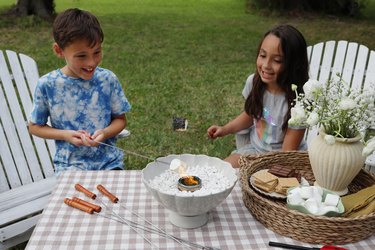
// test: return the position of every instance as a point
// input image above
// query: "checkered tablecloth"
(230, 224)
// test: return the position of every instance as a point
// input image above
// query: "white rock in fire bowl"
(189, 209)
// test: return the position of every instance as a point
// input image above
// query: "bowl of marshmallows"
(315, 200)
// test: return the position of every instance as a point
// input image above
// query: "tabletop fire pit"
(189, 196)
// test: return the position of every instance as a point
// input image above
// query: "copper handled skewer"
(90, 208)
(135, 225)
(164, 233)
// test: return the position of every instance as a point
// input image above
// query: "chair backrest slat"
(3, 180)
(326, 65)
(350, 59)
(30, 69)
(315, 60)
(370, 71)
(360, 67)
(338, 63)
(9, 178)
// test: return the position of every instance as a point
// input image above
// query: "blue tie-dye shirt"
(77, 104)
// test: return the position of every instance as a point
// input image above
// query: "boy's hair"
(75, 24)
(295, 70)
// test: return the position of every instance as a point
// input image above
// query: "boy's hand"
(74, 137)
(92, 140)
(98, 136)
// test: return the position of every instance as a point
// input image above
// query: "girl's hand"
(215, 131)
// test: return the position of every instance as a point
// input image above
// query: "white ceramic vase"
(335, 166)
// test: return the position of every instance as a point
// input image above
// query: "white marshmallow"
(311, 205)
(318, 190)
(332, 200)
(295, 198)
(304, 182)
(306, 192)
(317, 195)
(295, 190)
(176, 164)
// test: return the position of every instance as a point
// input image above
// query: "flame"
(190, 181)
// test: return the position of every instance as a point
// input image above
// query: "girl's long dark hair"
(295, 71)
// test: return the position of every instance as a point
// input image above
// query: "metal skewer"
(132, 153)
(128, 223)
(132, 224)
(152, 230)
(90, 208)
(114, 199)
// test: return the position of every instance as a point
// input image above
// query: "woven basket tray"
(274, 214)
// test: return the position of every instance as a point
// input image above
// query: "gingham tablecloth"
(230, 224)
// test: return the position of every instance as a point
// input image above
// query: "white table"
(230, 225)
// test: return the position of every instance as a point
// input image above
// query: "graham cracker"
(268, 187)
(264, 177)
(285, 183)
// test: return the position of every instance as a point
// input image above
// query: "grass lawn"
(180, 58)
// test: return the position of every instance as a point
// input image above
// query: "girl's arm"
(240, 122)
(292, 139)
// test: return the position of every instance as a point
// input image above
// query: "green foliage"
(176, 58)
(351, 8)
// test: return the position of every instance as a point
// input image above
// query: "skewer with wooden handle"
(88, 204)
(88, 193)
(105, 192)
(79, 206)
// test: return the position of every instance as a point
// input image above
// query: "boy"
(85, 103)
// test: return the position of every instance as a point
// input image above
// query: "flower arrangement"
(340, 110)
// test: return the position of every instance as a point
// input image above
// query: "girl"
(281, 62)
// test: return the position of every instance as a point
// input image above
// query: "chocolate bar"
(284, 171)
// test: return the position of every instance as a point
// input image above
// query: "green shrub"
(332, 7)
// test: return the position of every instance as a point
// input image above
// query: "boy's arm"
(47, 132)
(117, 124)
(292, 139)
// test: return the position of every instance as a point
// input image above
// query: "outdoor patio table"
(230, 225)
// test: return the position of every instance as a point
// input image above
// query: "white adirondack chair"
(26, 170)
(355, 63)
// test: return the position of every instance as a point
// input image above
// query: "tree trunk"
(42, 8)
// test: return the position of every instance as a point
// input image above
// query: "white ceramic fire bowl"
(189, 210)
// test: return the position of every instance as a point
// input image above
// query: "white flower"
(294, 87)
(347, 104)
(297, 115)
(342, 111)
(298, 112)
(329, 139)
(313, 119)
(312, 88)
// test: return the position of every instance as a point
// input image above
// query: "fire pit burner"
(189, 183)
